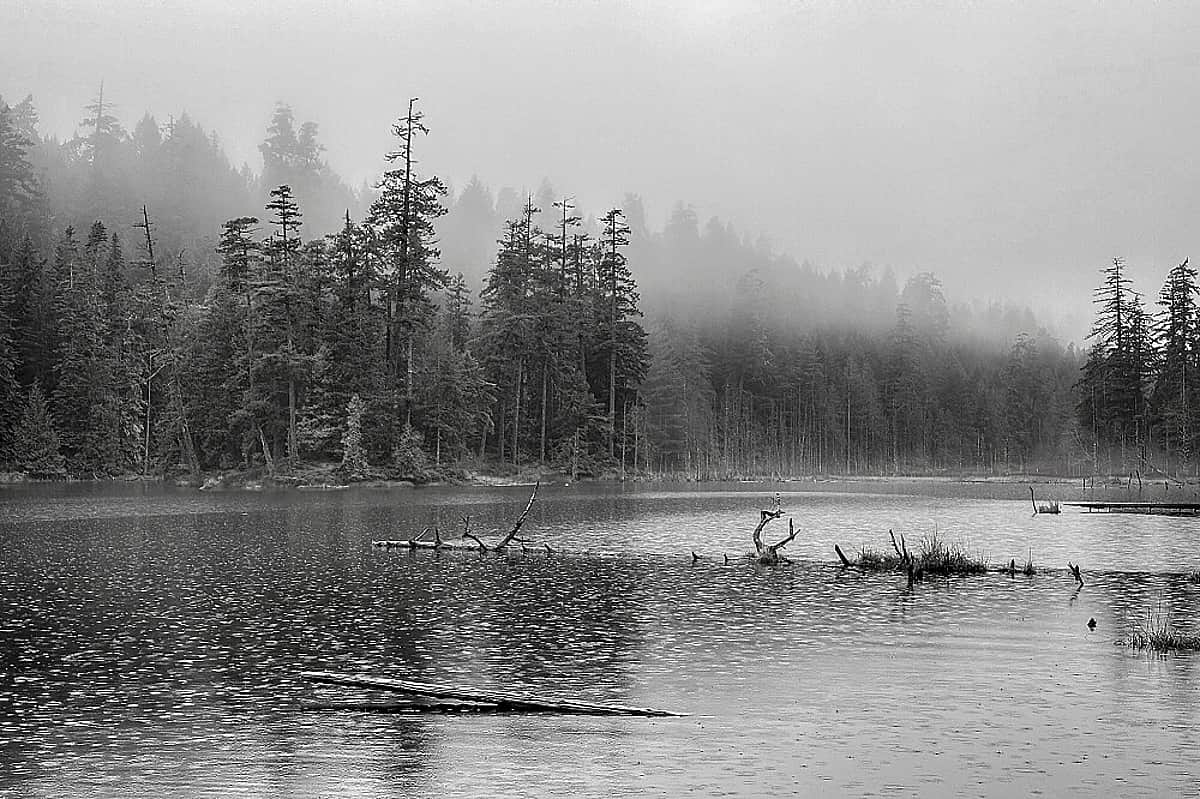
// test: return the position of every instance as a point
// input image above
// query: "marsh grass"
(935, 557)
(1194, 577)
(1158, 634)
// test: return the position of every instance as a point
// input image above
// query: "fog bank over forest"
(1011, 151)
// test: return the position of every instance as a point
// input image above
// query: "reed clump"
(934, 557)
(1158, 634)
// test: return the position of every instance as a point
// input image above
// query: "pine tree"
(18, 184)
(507, 328)
(409, 461)
(354, 461)
(30, 312)
(620, 341)
(1113, 388)
(1176, 383)
(35, 440)
(10, 389)
(83, 396)
(283, 252)
(402, 229)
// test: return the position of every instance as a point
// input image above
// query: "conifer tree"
(282, 294)
(507, 328)
(1113, 388)
(1176, 369)
(620, 342)
(35, 441)
(402, 229)
(83, 397)
(10, 389)
(354, 461)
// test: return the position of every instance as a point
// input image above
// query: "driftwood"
(499, 700)
(768, 554)
(477, 544)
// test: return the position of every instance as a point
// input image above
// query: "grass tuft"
(934, 557)
(1158, 634)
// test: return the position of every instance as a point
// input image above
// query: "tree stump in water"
(768, 554)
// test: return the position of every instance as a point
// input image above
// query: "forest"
(166, 314)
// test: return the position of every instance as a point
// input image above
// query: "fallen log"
(502, 700)
(403, 706)
(478, 544)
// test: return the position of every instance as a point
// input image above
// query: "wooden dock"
(1155, 508)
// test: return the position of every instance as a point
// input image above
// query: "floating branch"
(500, 700)
(477, 543)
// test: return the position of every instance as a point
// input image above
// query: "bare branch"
(791, 535)
(520, 519)
(765, 516)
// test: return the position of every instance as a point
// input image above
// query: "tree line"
(150, 348)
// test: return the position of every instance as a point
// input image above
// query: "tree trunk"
(517, 413)
(542, 443)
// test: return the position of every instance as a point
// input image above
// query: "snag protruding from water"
(479, 544)
(768, 554)
(1050, 507)
(1074, 567)
(935, 558)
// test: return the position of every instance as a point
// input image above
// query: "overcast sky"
(1011, 148)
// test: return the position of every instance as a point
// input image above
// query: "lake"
(151, 639)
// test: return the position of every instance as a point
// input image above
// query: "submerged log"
(501, 700)
(477, 544)
(403, 706)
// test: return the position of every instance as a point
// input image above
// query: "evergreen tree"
(354, 461)
(17, 182)
(30, 311)
(402, 230)
(507, 329)
(10, 390)
(1174, 398)
(620, 341)
(280, 290)
(1112, 392)
(35, 440)
(83, 396)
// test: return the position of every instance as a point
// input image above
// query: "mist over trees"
(164, 312)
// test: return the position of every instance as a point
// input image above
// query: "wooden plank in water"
(1162, 508)
(504, 700)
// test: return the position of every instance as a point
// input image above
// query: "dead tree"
(510, 538)
(1074, 569)
(768, 554)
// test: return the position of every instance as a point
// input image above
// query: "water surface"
(150, 640)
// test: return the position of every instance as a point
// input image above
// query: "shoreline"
(324, 477)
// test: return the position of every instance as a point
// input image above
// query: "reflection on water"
(150, 641)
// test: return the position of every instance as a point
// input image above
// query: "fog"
(1012, 151)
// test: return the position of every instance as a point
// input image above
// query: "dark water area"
(151, 639)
